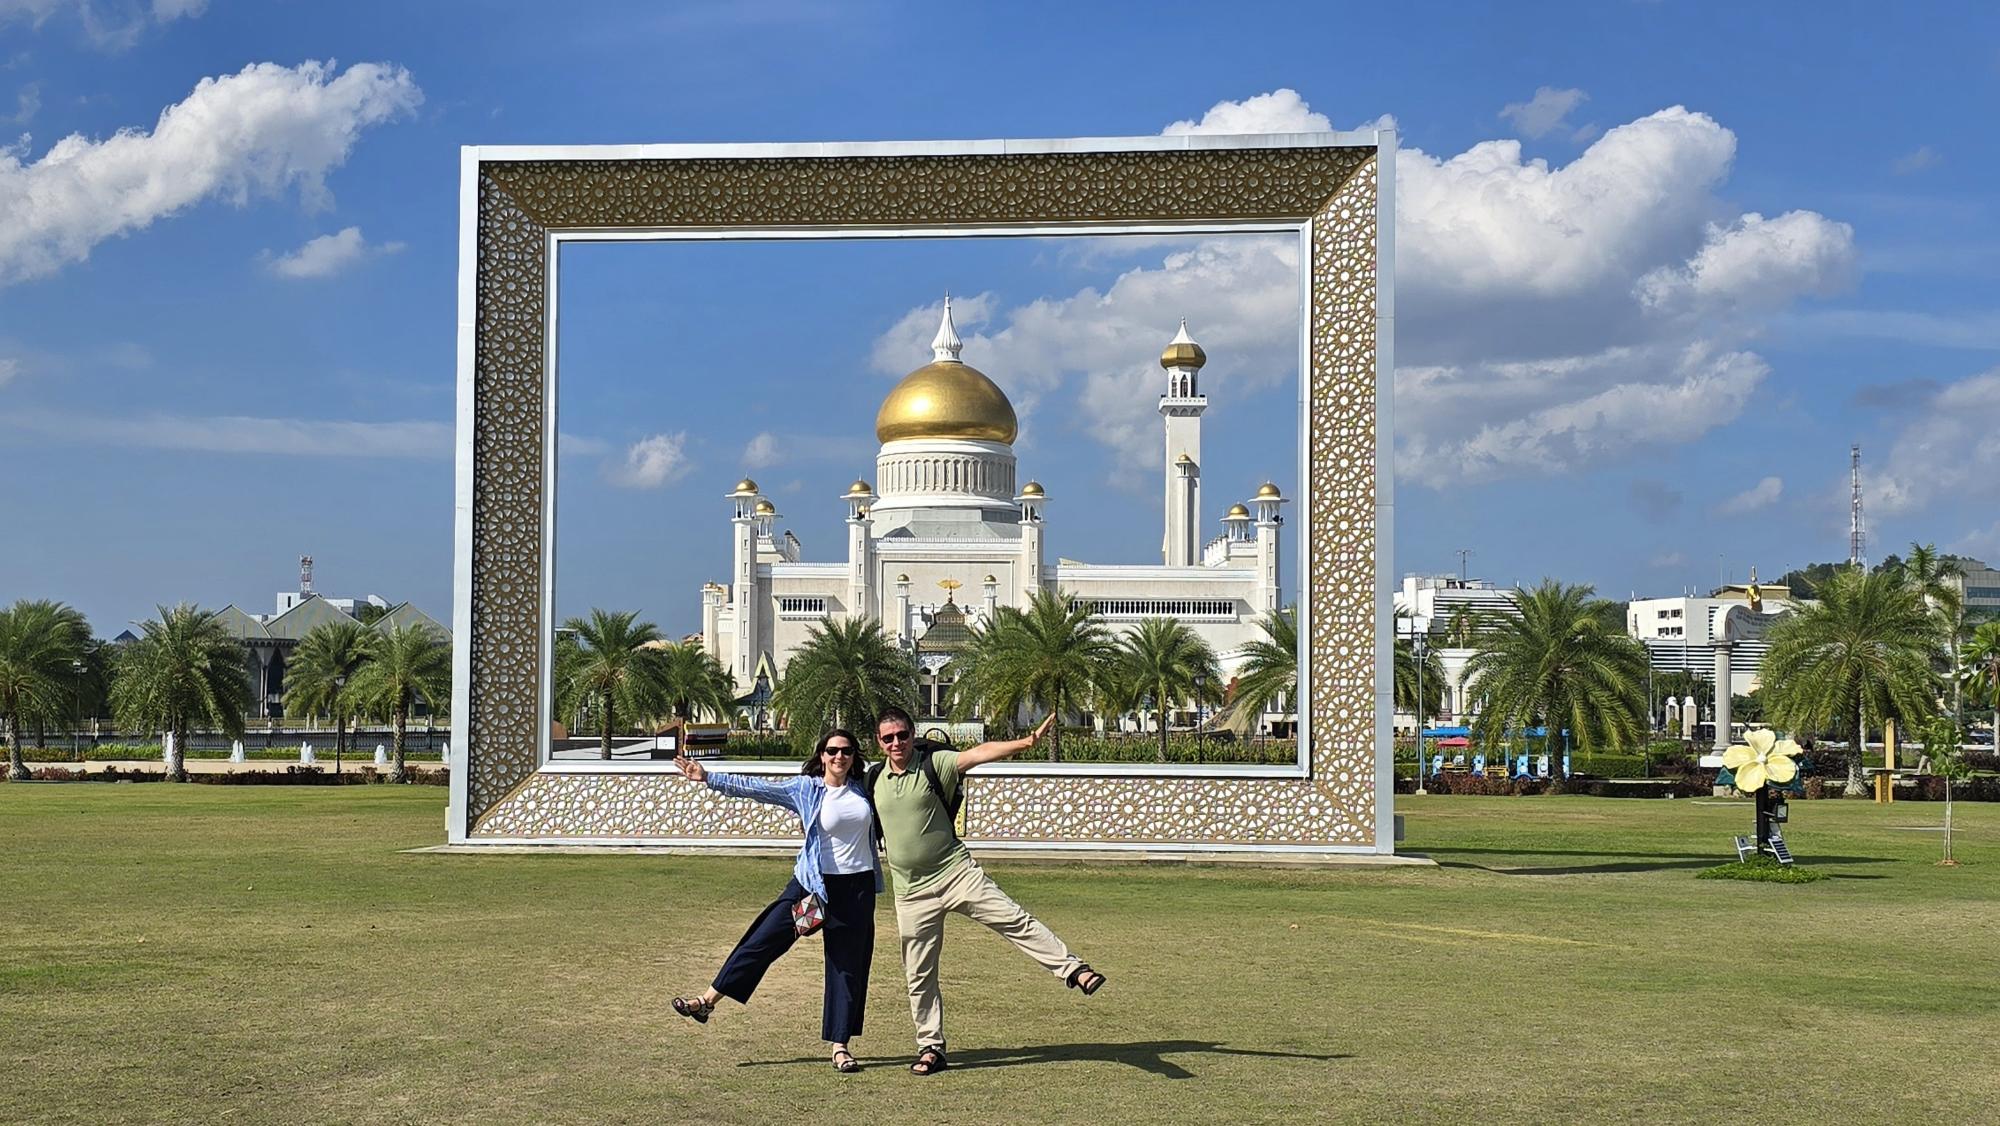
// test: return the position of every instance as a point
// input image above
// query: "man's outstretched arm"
(1002, 748)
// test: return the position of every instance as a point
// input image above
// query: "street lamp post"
(75, 751)
(1200, 735)
(1419, 645)
(339, 727)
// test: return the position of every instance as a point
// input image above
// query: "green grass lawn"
(200, 953)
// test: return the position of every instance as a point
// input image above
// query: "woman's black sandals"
(930, 1061)
(844, 1061)
(1086, 979)
(696, 1010)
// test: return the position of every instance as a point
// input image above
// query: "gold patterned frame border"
(516, 205)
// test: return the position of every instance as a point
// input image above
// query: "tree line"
(187, 673)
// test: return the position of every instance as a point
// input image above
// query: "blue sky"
(1660, 264)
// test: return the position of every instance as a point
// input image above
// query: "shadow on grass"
(1613, 862)
(1146, 1055)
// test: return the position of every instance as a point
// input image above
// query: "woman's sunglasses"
(830, 751)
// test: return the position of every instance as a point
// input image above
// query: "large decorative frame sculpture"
(519, 205)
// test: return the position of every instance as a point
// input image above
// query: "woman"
(838, 864)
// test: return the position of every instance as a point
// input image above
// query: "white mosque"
(949, 518)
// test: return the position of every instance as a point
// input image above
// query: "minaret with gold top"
(1181, 407)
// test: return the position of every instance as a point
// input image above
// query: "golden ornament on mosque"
(746, 485)
(1183, 352)
(766, 508)
(1236, 510)
(1267, 489)
(860, 489)
(947, 399)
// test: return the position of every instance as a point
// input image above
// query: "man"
(934, 873)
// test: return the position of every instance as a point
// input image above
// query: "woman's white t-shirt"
(848, 823)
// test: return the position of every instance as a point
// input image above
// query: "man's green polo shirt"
(917, 833)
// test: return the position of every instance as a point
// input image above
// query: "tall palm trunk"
(401, 723)
(1162, 698)
(177, 770)
(339, 739)
(604, 728)
(17, 770)
(1857, 786)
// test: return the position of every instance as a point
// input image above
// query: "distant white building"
(1684, 634)
(1979, 585)
(1445, 608)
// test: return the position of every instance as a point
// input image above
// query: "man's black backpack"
(951, 800)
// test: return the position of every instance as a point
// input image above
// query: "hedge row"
(291, 776)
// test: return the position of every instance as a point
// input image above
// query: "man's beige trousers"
(972, 893)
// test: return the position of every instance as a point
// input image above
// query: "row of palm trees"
(1891, 644)
(187, 673)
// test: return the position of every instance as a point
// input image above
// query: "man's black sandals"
(930, 1061)
(1086, 979)
(696, 1010)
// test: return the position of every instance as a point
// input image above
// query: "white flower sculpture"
(1766, 759)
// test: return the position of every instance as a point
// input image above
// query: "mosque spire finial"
(946, 345)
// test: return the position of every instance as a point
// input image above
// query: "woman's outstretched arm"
(740, 785)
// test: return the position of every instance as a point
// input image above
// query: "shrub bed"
(290, 776)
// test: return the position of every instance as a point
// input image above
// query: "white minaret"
(991, 599)
(860, 565)
(711, 613)
(1031, 500)
(1269, 579)
(903, 610)
(745, 597)
(1181, 407)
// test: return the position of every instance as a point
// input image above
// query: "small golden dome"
(1267, 489)
(991, 579)
(1183, 352)
(766, 508)
(902, 578)
(1184, 459)
(746, 485)
(860, 489)
(1032, 489)
(1237, 511)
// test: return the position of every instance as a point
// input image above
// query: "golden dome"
(1183, 352)
(860, 489)
(991, 579)
(1267, 489)
(746, 485)
(1032, 489)
(946, 398)
(1236, 511)
(765, 508)
(902, 578)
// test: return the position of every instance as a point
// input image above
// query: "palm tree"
(695, 682)
(607, 662)
(317, 679)
(1981, 671)
(1865, 649)
(1053, 656)
(1270, 670)
(977, 688)
(184, 672)
(1931, 576)
(1165, 662)
(844, 675)
(406, 664)
(41, 645)
(1559, 661)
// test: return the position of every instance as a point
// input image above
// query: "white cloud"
(1545, 112)
(1756, 263)
(651, 462)
(327, 255)
(1948, 453)
(1280, 111)
(761, 451)
(27, 103)
(1549, 317)
(243, 434)
(260, 131)
(1757, 497)
(9, 368)
(110, 25)
(1983, 544)
(1916, 160)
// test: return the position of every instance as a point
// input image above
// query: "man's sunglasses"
(896, 737)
